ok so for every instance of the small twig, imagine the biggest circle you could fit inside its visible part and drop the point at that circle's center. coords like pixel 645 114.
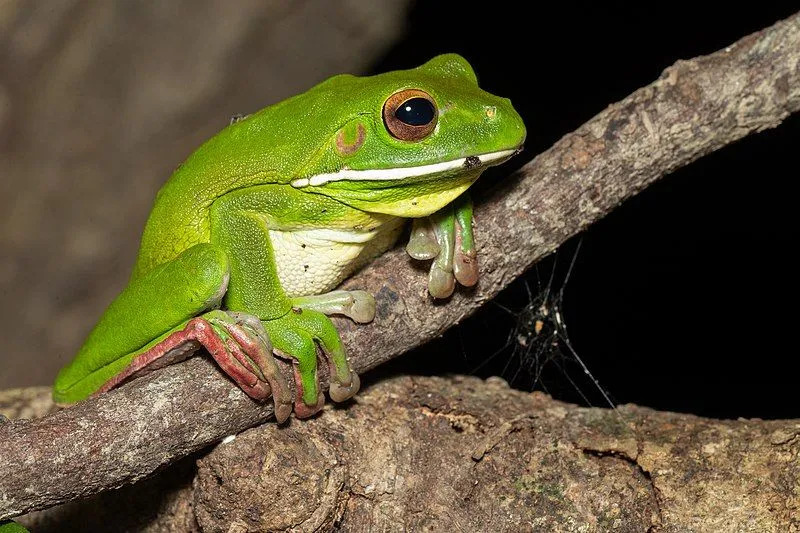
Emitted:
pixel 696 107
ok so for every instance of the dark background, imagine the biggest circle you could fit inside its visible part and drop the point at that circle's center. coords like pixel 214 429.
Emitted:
pixel 685 297
pixel 682 299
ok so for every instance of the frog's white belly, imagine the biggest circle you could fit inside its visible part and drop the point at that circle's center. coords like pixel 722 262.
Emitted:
pixel 314 261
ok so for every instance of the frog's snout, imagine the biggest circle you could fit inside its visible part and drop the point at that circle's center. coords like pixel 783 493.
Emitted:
pixel 508 123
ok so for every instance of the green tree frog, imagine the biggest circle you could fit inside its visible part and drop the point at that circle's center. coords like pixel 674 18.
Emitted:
pixel 248 239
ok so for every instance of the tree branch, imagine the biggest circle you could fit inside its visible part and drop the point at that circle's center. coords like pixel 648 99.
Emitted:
pixel 428 453
pixel 696 107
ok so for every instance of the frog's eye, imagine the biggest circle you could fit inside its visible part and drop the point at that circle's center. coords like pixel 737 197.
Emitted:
pixel 410 115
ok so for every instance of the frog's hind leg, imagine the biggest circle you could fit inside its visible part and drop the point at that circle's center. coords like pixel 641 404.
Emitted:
pixel 164 305
pixel 237 342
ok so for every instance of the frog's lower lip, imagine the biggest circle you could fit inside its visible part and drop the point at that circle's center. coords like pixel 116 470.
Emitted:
pixel 400 173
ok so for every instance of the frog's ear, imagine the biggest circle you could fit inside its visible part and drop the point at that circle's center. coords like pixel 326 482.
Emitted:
pixel 451 66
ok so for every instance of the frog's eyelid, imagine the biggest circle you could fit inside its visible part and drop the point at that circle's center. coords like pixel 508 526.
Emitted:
pixel 391 174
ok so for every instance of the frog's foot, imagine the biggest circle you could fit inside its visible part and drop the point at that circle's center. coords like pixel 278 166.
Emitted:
pixel 359 306
pixel 239 345
pixel 296 335
pixel 447 238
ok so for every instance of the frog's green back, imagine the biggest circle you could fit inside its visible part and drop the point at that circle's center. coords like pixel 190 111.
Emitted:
pixel 246 153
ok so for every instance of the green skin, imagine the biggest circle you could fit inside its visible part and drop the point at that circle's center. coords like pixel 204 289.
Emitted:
pixel 208 272
pixel 12 527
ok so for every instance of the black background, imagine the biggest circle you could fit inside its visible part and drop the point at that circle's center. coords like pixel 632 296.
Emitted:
pixel 683 298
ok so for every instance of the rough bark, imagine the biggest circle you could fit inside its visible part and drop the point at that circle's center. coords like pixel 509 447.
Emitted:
pixel 696 107
pixel 437 454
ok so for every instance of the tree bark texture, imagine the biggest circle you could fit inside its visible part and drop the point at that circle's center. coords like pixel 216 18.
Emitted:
pixel 463 454
pixel 695 107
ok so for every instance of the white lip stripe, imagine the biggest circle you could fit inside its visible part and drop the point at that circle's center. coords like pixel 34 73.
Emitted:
pixel 397 173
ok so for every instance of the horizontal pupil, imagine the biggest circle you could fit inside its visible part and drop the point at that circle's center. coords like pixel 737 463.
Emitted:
pixel 415 112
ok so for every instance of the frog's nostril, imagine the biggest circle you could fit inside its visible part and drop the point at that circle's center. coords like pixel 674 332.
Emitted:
pixel 490 111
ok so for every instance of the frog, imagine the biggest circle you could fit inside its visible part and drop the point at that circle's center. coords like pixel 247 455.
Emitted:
pixel 249 238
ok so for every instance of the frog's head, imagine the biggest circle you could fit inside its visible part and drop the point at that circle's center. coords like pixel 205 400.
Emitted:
pixel 408 142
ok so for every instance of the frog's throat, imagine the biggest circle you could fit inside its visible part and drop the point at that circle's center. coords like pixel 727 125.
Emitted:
pixel 401 173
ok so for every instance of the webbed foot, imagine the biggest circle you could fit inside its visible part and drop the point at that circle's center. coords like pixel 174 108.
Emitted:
pixel 237 342
pixel 297 335
pixel 446 237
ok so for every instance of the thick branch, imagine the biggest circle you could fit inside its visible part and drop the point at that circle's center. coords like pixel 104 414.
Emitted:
pixel 696 107
pixel 426 453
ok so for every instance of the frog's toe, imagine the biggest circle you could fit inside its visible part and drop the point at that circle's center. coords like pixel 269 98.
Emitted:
pixel 358 305
pixel 441 282
pixel 465 257
pixel 465 269
pixel 422 244
pixel 340 393
pixel 292 341
pixel 344 383
pixel 301 408
pixel 362 308
pixel 465 265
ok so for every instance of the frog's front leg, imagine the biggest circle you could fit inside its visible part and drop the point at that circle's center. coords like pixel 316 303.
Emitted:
pixel 357 305
pixel 297 335
pixel 446 237
pixel 240 225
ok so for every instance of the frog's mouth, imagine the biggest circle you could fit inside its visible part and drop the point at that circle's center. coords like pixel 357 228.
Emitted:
pixel 404 173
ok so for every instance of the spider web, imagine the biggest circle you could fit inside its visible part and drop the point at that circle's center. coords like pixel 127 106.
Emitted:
pixel 538 341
